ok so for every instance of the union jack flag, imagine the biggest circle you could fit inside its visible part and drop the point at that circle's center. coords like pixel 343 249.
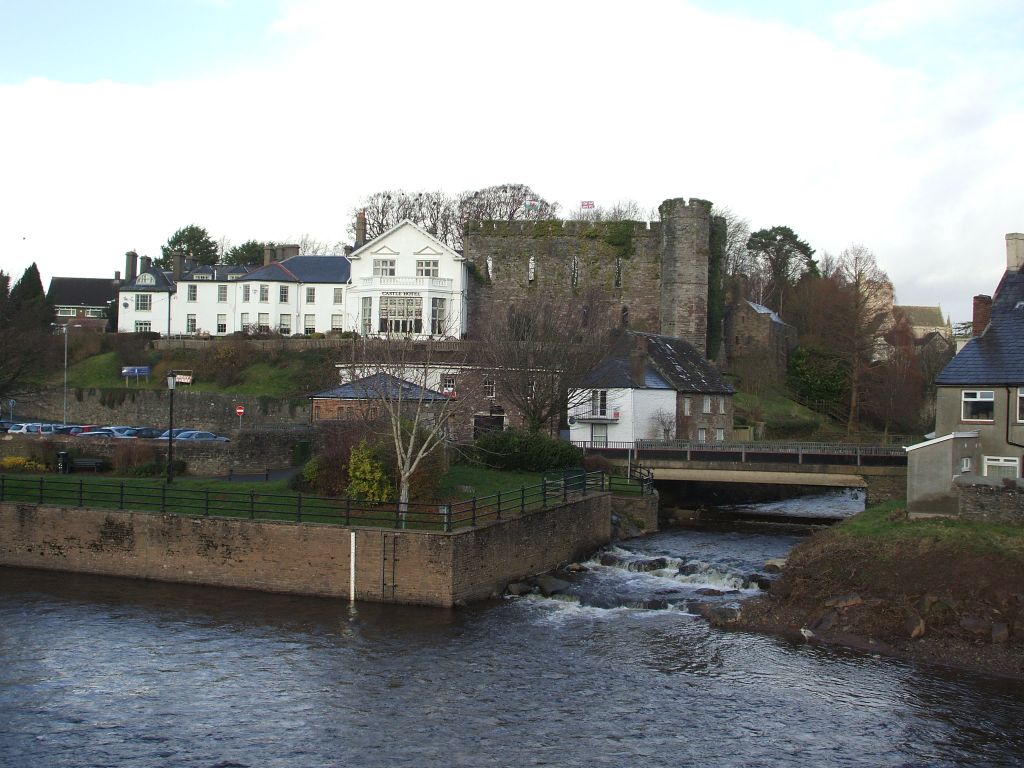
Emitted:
pixel 587 204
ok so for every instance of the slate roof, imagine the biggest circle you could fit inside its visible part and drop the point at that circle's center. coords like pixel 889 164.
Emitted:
pixel 670 364
pixel 922 317
pixel 304 269
pixel 996 357
pixel 217 273
pixel 162 283
pixel 81 291
pixel 381 386
pixel 762 310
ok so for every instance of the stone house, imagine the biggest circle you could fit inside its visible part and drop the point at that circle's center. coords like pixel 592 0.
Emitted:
pixel 757 342
pixel 82 301
pixel 359 400
pixel 651 387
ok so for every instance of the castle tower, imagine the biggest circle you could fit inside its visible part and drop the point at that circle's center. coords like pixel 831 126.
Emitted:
pixel 685 250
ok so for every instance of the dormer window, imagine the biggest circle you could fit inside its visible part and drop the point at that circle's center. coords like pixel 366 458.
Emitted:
pixel 202 277
pixel 145 279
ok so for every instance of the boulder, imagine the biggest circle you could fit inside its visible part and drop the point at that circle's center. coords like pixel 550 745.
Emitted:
pixel 549 585
pixel 914 626
pixel 825 622
pixel 576 568
pixel 976 625
pixel 651 564
pixel 775 565
pixel 844 601
pixel 758 580
pixel 709 592
pixel 607 558
pixel 518 588
pixel 688 569
pixel 718 615
pixel 1000 632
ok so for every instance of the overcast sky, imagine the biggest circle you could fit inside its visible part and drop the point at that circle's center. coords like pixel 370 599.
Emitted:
pixel 896 124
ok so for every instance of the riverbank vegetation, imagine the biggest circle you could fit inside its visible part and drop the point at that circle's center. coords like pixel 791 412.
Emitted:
pixel 938 590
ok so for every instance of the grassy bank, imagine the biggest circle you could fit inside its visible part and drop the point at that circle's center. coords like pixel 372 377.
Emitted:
pixel 948 591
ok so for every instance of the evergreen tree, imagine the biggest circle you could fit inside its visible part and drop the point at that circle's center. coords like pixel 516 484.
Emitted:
pixel 194 242
pixel 249 252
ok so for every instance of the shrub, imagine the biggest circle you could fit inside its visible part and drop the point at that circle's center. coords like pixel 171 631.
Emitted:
pixel 525 451
pixel 597 463
pixel 132 453
pixel 20 464
pixel 785 427
pixel 366 476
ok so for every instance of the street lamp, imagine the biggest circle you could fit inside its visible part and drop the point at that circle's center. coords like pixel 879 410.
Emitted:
pixel 171 379
pixel 64 329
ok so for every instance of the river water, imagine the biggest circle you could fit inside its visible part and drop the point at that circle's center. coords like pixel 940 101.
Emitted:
pixel 618 672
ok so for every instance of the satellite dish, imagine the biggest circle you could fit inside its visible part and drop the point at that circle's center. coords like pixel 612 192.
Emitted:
pixel 572 419
pixel 125 305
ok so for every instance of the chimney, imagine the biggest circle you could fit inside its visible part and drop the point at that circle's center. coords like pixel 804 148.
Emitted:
pixel 144 264
pixel 348 250
pixel 1015 252
pixel 288 251
pixel 638 360
pixel 982 314
pixel 360 229
pixel 131 260
pixel 117 276
pixel 177 262
pixel 268 255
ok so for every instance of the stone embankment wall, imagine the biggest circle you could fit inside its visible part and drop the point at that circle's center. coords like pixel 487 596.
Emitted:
pixel 990 500
pixel 247 452
pixel 427 568
pixel 150 408
pixel 636 512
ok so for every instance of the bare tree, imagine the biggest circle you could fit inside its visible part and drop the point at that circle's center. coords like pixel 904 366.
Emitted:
pixel 310 246
pixel 541 351
pixel 621 210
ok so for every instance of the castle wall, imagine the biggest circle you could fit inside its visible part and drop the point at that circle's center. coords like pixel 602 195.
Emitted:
pixel 653 276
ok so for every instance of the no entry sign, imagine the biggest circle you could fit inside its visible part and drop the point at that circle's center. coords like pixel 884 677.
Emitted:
pixel 239 410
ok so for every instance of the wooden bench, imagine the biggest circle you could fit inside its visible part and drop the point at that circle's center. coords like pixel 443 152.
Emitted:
pixel 94 464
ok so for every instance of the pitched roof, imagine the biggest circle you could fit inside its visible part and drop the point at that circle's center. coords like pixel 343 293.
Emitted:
pixel 162 282
pixel 670 363
pixel 997 355
pixel 81 291
pixel 304 269
pixel 381 386
pixel 762 310
pixel 217 272
pixel 921 316
pixel 358 252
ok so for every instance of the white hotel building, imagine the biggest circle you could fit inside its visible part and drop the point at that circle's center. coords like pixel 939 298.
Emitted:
pixel 404 282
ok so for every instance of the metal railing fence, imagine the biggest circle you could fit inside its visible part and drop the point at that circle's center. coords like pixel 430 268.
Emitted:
pixel 302 508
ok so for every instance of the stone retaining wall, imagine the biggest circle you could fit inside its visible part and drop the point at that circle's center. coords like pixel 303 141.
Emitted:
pixel 427 568
pixel 991 500
pixel 636 513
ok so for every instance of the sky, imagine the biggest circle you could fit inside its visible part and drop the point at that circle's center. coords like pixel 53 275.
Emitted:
pixel 894 124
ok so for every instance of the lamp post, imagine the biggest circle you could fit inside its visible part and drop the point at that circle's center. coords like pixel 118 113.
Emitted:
pixel 171 379
pixel 65 328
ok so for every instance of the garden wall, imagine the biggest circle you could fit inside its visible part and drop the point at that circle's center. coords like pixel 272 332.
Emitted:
pixel 991 500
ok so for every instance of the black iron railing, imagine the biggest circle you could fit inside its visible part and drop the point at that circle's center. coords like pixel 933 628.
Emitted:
pixel 301 508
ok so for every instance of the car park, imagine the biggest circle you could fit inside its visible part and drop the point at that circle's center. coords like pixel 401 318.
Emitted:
pixel 96 433
pixel 177 432
pixel 149 432
pixel 122 431
pixel 5 425
pixel 33 428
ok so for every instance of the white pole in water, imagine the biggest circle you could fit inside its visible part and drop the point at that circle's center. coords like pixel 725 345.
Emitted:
pixel 352 570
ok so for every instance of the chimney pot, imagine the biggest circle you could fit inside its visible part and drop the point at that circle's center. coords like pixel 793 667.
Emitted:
pixel 1015 252
pixel 360 229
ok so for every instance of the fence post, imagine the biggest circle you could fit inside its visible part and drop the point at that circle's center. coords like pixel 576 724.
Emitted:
pixel 40 489
pixel 522 500
pixel 266 474
pixel 446 512
pixel 348 509
pixel 473 513
pixel 298 509
pixel 3 489
pixel 120 497
pixel 81 495
pixel 499 505
pixel 163 498
pixel 252 504
pixel 565 487
pixel 858 455
pixel 800 454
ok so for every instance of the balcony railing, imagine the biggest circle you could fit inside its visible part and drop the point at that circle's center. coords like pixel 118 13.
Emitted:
pixel 592 413
pixel 385 283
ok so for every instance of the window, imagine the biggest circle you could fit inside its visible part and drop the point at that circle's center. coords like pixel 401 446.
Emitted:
pixel 245 292
pixel 66 312
pixel 190 324
pixel 489 388
pixel 95 313
pixel 599 435
pixel 366 315
pixel 1020 403
pixel 222 293
pixel 233 277
pixel 383 267
pixel 339 295
pixel 599 402
pixel 337 322
pixel 978 405
pixel 1002 466
pixel 203 277
pixel 721 404
pixel 719 435
pixel 264 293
pixel 193 292
pixel 426 268
pixel 965 464
pixel 222 323
pixel 702 435
pixel 401 314
pixel 244 320
pixel 448 383
pixel 309 323
pixel 284 324
pixel 686 406
pixel 143 326
pixel 143 302
pixel 145 279
pixel 707 403
pixel 311 295
pixel 264 322
pixel 438 321
pixel 282 293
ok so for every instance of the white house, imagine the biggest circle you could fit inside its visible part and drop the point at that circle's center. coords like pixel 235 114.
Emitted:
pixel 651 387
pixel 408 282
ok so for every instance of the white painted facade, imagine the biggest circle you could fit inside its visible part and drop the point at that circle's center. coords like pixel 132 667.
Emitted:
pixel 621 415
pixel 408 282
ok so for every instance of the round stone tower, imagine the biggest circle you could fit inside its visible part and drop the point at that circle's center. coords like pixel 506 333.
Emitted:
pixel 686 249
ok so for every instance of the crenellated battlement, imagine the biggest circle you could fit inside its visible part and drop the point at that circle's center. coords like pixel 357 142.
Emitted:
pixel 559 228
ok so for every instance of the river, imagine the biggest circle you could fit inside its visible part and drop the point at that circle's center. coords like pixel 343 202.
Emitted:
pixel 619 672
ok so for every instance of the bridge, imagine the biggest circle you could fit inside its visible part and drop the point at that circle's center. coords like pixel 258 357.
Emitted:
pixel 880 469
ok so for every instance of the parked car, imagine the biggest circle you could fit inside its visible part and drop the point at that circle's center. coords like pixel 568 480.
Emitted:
pixel 33 428
pixel 5 425
pixel 96 433
pixel 149 432
pixel 207 436
pixel 122 431
pixel 77 430
pixel 163 435
pixel 16 429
